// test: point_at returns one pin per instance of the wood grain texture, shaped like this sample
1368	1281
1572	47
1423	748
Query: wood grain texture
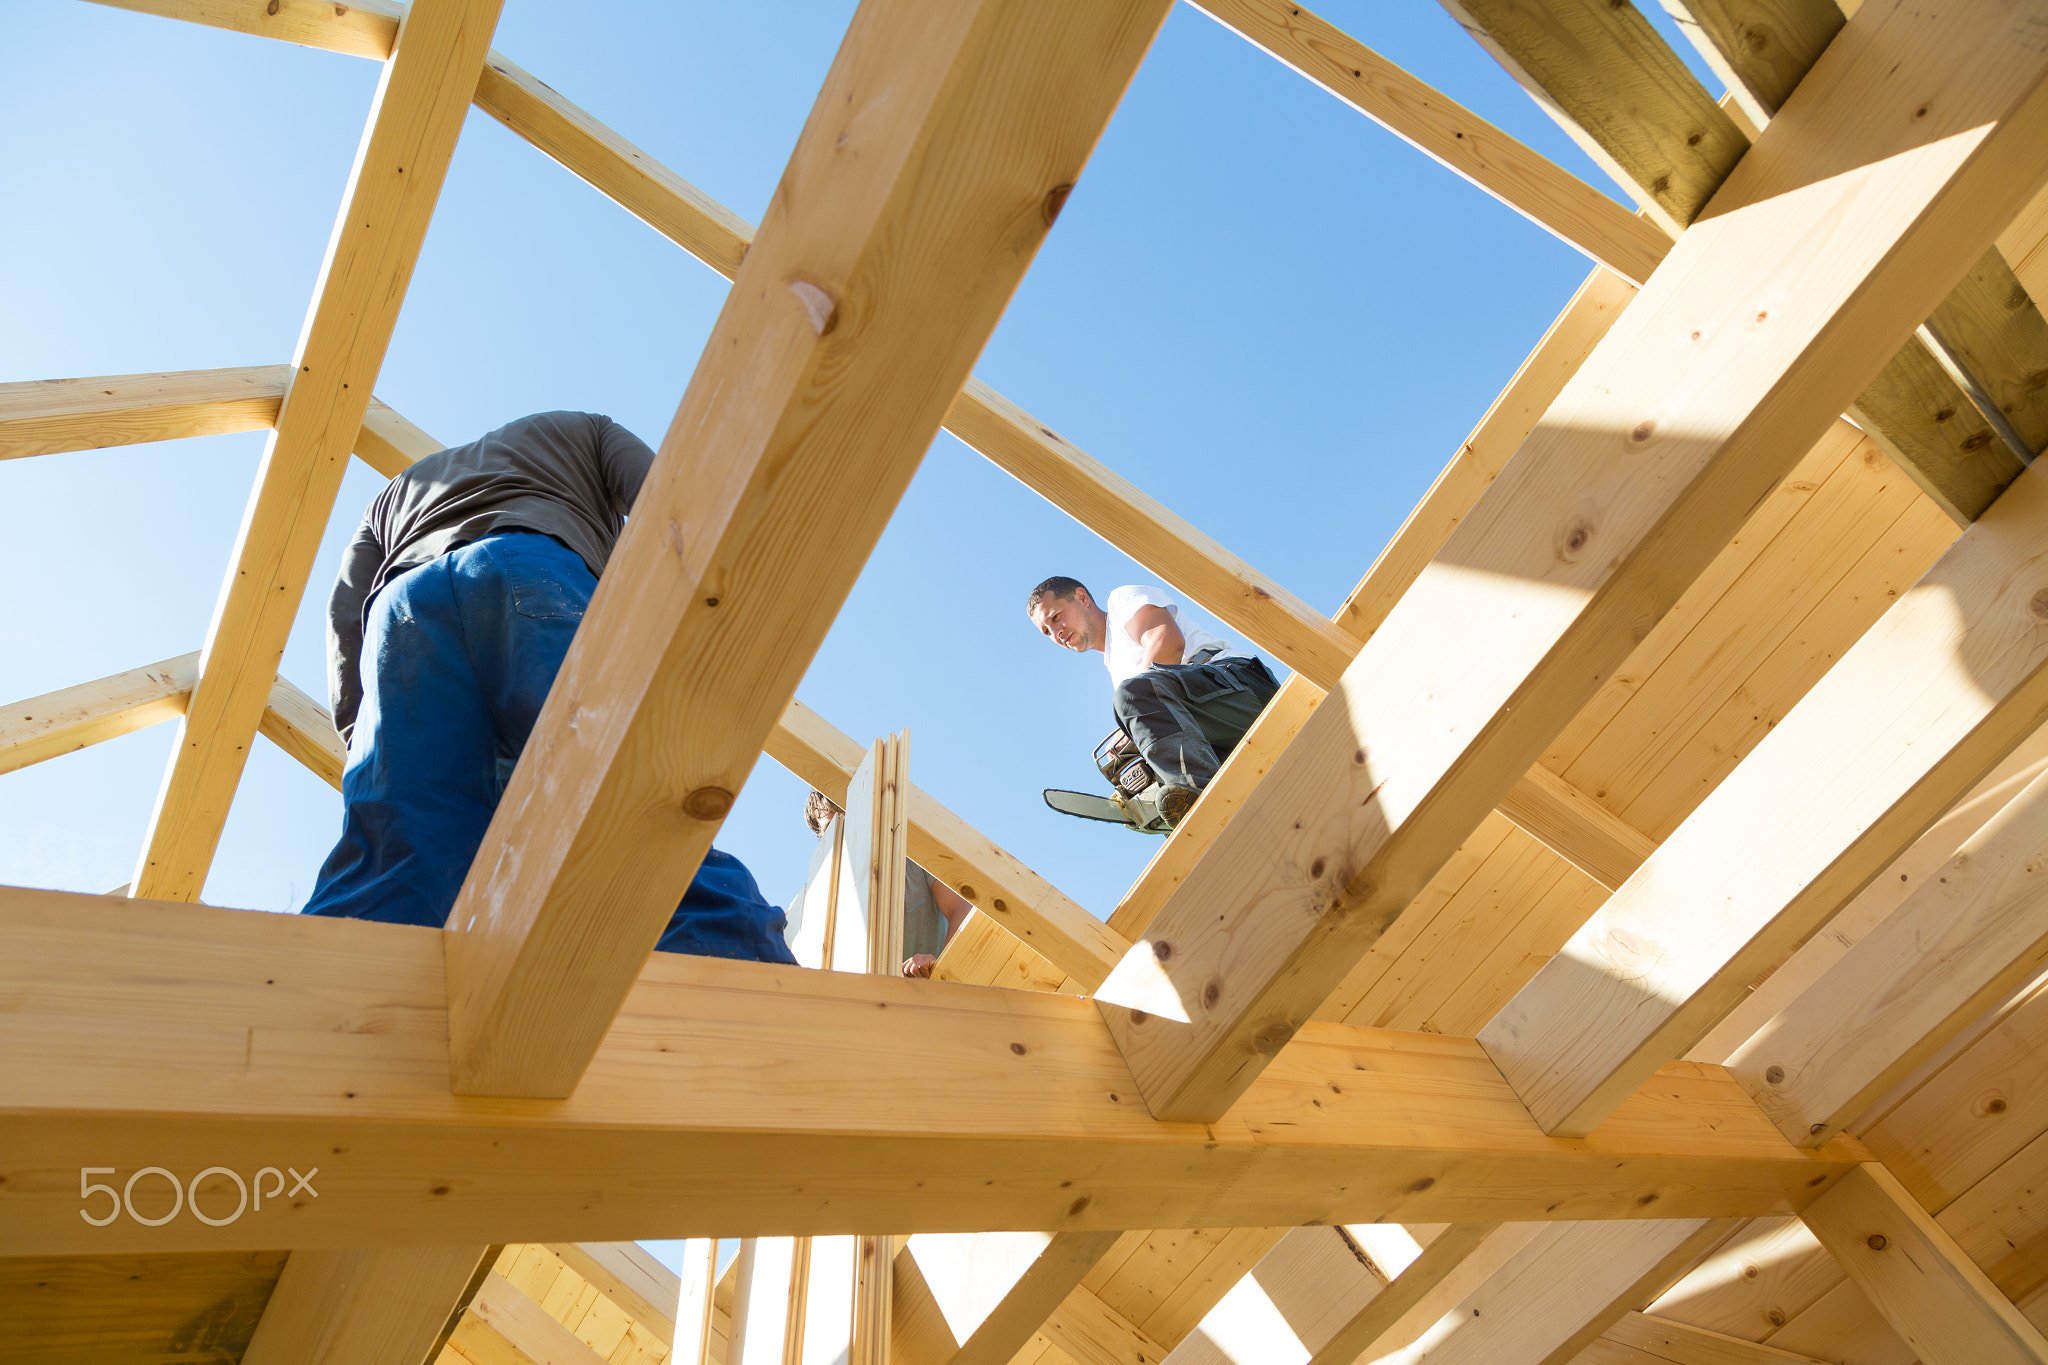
134	1309
303	728
1950	681
1924	422
72	718
696	639
1577	828
414	122
1661	1340
643	1288
1014	1312
1377	1325
47	416
504	1327
1618	90
366	1307
1466	683
1761	49
1449	133
753	1089
1931	1293
367	28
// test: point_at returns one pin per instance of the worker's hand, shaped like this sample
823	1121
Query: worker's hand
921	965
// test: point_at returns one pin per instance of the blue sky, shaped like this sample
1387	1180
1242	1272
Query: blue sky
1261	307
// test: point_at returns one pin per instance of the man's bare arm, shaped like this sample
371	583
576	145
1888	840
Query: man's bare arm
1154	629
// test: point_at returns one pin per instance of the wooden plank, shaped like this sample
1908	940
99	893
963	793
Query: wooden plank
998	1289
1448	133
1925	423
1619	91
1662	1339
503	1325
368	28
943	844
198	1036
71	718
1577	828
696	1306
1372	1325
388	443
1963	940
414	122
366	1307
1931	1293
1090	1332
302	728
135	1309
1951	680
1467	682
46	416
693	656
1760	49
644	1289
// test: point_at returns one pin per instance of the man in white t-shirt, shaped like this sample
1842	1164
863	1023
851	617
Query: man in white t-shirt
1184	697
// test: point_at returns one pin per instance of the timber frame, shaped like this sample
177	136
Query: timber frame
1623	940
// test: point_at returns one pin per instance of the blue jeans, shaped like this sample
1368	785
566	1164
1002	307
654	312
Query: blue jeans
458	656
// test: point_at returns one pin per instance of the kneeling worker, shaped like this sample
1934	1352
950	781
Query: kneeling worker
1183	696
453	611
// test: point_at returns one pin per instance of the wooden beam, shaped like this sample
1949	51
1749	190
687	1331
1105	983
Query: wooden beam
1619	91
1965	939
302	728
47	416
414	122
1450	134
693	654
502	1323
1912	1271
1662	1339
367	1307
156	1034
1588	537
368	28
72	718
1370	1327
644	1289
1952	678
1761	49
997	1289
1577	828
1093	1333
958	854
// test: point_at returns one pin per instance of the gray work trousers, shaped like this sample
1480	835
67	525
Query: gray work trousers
1186	718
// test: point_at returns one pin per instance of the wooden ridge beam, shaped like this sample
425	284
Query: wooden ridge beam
190	1036
47	416
414	122
1967	937
1948	682
367	1307
1589	535
1912	1271
73	718
1448	133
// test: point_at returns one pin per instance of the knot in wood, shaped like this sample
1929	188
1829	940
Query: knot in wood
1162	950
1213	992
707	803
1269	1039
1572	539
1774	1075
1055	200
1876	1241
2037	606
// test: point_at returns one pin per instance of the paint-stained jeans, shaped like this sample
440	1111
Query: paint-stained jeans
458	656
1186	718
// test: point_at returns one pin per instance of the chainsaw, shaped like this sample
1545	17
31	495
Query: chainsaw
1138	793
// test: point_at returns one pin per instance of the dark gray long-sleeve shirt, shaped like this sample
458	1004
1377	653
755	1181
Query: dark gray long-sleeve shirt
571	475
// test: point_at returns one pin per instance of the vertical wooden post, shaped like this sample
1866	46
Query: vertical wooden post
693	1309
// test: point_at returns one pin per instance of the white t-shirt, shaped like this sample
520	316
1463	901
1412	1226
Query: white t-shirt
1125	656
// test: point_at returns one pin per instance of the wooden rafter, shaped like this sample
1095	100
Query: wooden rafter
414	122
1605	515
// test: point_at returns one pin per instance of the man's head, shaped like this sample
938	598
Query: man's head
819	811
1065	613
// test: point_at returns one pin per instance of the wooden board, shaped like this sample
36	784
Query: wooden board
133	1308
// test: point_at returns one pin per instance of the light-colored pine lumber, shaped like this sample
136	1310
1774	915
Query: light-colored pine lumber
1090	1332
696	1304
1414	1292
1760	49
998	1289
1467	681
1928	1289
765	1329
1618	90
1661	1339
1448	133
504	1327
1577	828
414	122
367	1307
692	656
46	416
364	29
643	1288
303	728
1951	680
388	443
143	1033
71	718
1971	933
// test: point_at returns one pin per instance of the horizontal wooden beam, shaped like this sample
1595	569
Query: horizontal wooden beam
302	727
736	1098
47	416
1928	1289
1947	683
1449	133
72	718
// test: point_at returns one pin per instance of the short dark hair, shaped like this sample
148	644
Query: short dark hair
819	810
1058	586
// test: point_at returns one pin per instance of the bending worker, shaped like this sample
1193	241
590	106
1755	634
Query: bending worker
453	611
1183	696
